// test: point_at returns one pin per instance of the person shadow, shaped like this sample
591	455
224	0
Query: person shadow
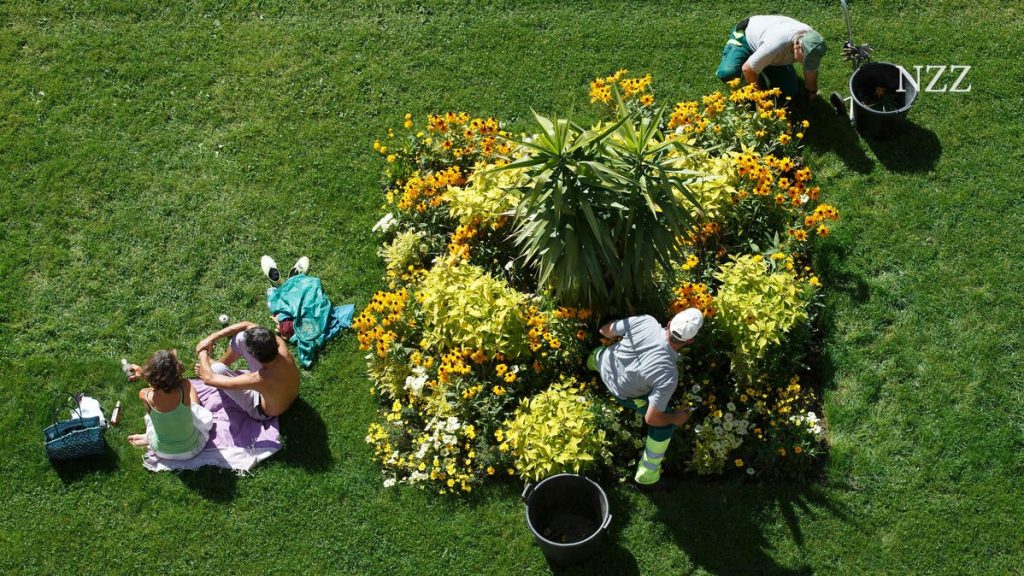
304	438
830	132
212	483
715	523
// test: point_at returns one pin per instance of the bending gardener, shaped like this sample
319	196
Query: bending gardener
640	371
762	50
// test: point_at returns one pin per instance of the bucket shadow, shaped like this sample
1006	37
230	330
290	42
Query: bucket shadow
715	523
832	133
914	150
211	483
304	436
72	471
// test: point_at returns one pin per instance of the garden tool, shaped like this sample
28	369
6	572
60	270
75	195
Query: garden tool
855	54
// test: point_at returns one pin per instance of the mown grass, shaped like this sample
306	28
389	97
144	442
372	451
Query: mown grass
153	151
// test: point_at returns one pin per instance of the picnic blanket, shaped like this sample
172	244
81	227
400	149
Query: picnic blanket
236	441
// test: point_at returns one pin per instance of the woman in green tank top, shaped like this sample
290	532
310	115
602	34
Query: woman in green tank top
177	425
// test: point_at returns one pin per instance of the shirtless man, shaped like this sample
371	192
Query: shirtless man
271	383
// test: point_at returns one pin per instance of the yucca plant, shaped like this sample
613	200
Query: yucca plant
600	212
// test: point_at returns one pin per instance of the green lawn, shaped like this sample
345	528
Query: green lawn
150	152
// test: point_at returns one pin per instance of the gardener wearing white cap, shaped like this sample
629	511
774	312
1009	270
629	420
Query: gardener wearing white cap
640	371
762	50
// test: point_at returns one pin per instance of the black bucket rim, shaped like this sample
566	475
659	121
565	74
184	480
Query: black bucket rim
906	106
604	521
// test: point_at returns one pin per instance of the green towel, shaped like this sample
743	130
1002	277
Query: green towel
302	299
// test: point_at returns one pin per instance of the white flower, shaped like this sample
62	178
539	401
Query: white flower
727	426
387	222
730	407
416	382
719	431
696	388
804	198
729	417
389	482
698	429
750	471
812	417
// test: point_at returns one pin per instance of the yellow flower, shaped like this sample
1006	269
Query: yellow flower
782	452
738	462
498	391
490	470
798	449
814	281
647	99
784	139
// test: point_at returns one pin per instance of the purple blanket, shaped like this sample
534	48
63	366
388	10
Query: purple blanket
236	440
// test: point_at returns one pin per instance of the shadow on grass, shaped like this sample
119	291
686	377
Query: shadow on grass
914	151
716	523
829	263
304	436
832	133
212	483
72	471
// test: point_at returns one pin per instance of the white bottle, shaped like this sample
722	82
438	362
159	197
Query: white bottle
223	319
126	367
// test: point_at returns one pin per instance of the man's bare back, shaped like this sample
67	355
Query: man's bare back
272	382
278	382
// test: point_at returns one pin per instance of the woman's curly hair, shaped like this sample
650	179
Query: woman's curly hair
163	370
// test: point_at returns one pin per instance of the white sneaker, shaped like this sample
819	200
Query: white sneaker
270	270
301	266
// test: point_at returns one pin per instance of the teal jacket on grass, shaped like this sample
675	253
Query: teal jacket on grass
316	321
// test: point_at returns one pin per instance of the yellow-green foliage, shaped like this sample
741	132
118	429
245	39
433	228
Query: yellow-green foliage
407	248
712	188
486	197
554	432
464	307
756	307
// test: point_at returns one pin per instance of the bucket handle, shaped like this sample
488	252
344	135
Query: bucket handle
527	491
607	521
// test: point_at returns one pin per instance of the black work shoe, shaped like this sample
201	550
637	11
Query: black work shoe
837	102
270	270
666	483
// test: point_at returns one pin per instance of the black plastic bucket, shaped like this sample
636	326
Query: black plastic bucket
882	96
568	515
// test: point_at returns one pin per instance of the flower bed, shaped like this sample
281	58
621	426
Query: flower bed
505	253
